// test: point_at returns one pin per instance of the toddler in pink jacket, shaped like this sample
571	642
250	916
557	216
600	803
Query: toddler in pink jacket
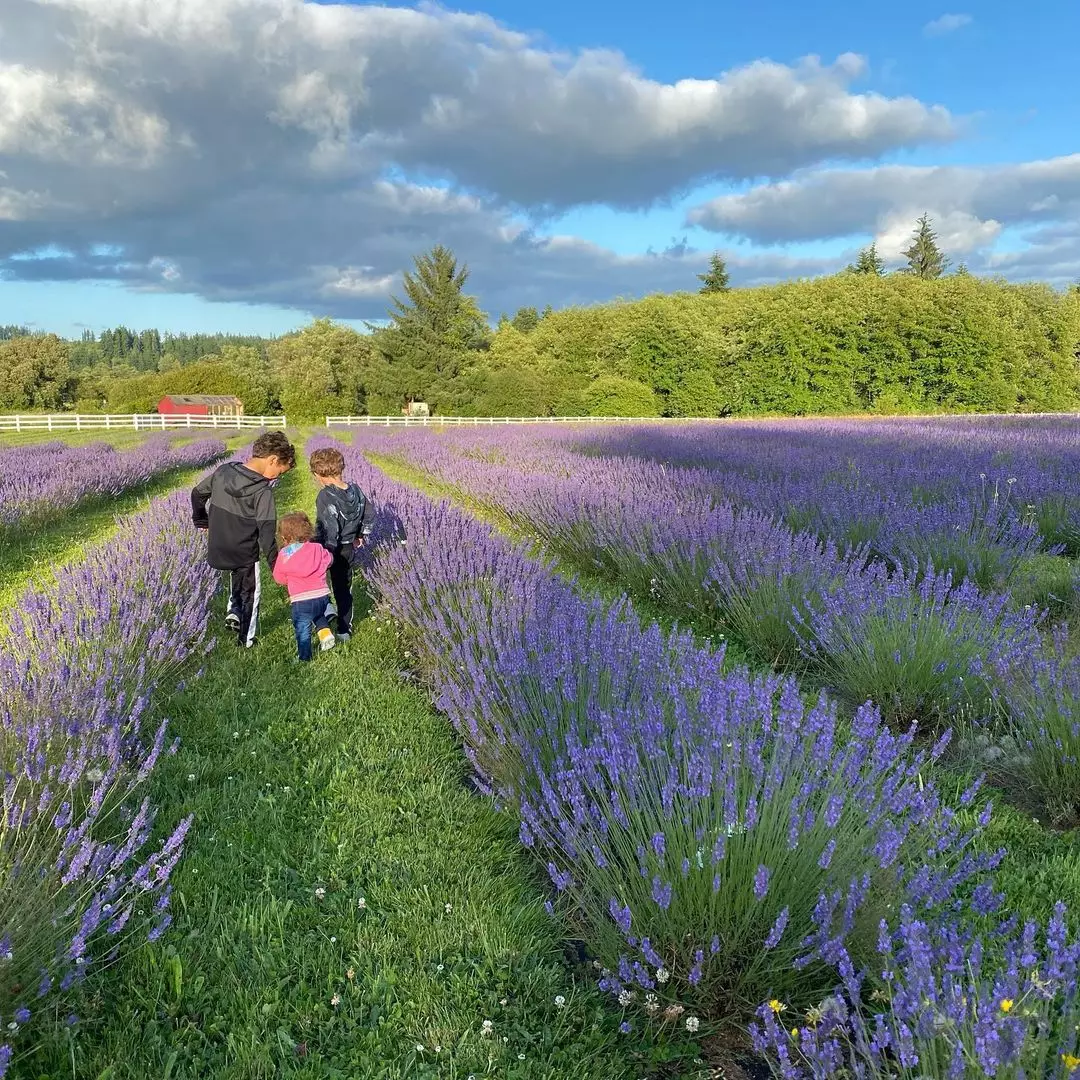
301	567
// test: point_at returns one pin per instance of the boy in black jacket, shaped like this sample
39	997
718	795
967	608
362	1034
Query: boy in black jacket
344	516
242	520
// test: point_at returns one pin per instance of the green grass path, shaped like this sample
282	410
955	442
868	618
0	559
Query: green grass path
316	787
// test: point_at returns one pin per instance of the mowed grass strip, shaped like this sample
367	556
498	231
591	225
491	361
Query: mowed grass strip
347	907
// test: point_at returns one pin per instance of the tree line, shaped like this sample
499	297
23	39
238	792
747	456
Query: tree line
858	341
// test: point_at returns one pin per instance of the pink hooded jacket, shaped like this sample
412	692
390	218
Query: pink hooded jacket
301	568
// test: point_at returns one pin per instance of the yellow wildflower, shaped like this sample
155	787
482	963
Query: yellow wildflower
1006	1004
1071	1063
777	1006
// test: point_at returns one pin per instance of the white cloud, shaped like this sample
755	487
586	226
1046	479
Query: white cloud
273	150
946	24
971	206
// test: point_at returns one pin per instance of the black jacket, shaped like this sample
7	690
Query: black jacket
342	515
242	516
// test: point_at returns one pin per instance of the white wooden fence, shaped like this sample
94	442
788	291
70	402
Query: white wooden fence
472	421
134	421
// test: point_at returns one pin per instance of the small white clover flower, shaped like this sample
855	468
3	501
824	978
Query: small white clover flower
692	1023
335	1000
333	940
419	1048
191	776
449	908
662	975
362	904
320	893
560	1001
487	1027
625	997
439	967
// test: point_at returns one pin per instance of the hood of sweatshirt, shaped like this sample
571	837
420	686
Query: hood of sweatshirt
347	501
240	481
304	560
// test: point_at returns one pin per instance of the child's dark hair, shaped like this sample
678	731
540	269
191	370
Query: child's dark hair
296	528
327	462
274	444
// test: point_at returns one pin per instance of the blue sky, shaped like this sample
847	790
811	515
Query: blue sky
312	201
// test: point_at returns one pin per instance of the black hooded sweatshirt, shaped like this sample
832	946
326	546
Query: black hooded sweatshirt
342	516
242	516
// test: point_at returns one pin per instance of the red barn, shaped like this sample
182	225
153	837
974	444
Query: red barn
200	405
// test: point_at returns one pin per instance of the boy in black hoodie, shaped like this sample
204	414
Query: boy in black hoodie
241	520
343	518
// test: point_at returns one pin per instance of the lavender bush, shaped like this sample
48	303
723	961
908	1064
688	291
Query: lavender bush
42	479
80	657
716	836
1043	705
947	1004
918	645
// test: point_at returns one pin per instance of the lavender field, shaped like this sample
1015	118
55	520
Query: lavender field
771	734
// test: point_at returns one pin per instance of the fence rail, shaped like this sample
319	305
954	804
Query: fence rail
475	421
134	421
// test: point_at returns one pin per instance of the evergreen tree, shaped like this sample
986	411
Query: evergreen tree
963	271
868	262
716	280
925	258
526	320
433	329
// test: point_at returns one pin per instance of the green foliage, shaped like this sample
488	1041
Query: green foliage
323	370
526	319
432	330
696	394
717	278
35	374
925	258
611	395
868	262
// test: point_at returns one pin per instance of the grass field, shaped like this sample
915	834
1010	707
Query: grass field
347	906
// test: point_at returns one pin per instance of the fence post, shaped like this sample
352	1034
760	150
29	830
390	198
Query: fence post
49	419
18	423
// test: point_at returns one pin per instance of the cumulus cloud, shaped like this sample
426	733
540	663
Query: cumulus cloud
971	205
277	150
946	24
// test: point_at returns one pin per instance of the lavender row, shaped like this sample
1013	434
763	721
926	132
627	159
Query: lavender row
696	802
721	838
44	479
925	645
81	872
921	643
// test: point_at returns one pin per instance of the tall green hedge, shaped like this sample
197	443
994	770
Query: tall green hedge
843	344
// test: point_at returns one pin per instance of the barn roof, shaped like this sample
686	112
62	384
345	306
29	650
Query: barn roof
202	399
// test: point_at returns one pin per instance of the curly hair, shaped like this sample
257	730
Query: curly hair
327	462
296	528
274	444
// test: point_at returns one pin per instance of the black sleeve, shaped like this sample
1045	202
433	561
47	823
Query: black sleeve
200	496
266	522
367	520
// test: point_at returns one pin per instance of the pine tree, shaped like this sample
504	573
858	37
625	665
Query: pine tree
925	258
433	328
868	262
716	280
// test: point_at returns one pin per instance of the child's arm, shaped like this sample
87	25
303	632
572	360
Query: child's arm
200	496
266	523
281	575
367	520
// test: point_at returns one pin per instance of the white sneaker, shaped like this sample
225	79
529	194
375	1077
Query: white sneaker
344	637
326	640
232	621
